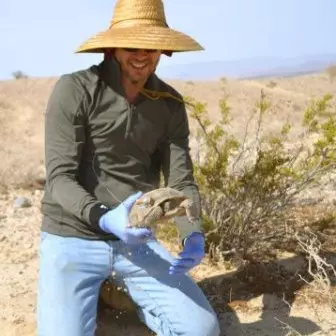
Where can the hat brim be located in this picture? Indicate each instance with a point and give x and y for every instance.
(143, 37)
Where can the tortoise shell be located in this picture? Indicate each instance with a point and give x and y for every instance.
(156, 205)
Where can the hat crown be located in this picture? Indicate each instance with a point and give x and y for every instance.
(138, 12)
(140, 24)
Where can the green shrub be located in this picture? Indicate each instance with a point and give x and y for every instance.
(248, 186)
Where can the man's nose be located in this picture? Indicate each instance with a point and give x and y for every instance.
(142, 53)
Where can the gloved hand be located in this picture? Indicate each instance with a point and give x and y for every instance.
(191, 256)
(115, 221)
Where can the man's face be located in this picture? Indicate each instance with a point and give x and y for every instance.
(137, 64)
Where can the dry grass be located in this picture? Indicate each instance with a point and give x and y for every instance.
(22, 105)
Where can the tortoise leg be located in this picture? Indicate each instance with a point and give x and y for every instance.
(189, 210)
(155, 215)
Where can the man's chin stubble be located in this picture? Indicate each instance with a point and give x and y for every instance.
(136, 81)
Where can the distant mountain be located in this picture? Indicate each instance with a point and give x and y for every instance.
(249, 68)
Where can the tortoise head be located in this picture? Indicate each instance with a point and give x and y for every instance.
(145, 201)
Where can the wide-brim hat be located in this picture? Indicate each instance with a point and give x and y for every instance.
(140, 24)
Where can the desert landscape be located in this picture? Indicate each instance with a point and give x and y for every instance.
(260, 299)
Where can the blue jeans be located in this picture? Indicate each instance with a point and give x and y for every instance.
(72, 271)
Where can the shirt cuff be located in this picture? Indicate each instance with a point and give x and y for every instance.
(94, 212)
(186, 227)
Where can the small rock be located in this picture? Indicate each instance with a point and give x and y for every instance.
(22, 202)
(256, 303)
(37, 192)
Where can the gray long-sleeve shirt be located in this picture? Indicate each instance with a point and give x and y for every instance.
(99, 149)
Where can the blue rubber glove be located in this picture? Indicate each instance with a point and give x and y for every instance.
(191, 256)
(115, 221)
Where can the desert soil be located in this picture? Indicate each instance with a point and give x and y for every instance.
(246, 300)
(242, 307)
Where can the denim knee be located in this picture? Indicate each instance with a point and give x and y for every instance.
(207, 326)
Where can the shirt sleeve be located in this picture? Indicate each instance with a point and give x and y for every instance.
(177, 167)
(64, 142)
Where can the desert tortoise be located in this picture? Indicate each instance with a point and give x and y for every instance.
(160, 205)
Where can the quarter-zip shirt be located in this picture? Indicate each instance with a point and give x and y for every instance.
(99, 149)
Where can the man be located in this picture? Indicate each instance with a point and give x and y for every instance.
(109, 132)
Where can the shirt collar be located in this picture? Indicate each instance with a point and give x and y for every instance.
(111, 75)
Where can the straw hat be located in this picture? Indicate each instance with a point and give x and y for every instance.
(139, 24)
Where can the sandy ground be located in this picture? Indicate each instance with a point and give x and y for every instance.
(260, 314)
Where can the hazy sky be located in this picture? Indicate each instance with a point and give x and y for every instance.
(39, 37)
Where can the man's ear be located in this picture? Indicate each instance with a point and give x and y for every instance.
(108, 54)
(167, 53)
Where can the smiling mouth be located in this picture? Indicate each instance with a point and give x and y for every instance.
(138, 66)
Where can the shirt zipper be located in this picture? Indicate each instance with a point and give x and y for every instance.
(131, 109)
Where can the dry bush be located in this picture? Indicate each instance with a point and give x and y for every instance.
(331, 71)
(297, 107)
(19, 75)
(320, 281)
(322, 273)
(248, 186)
(271, 84)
